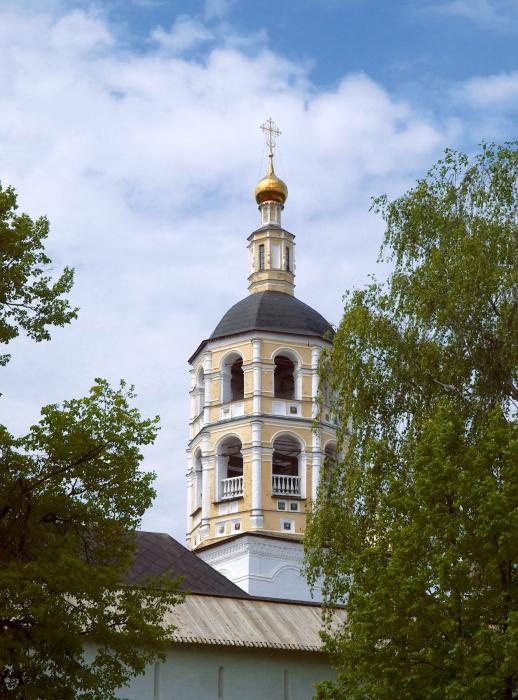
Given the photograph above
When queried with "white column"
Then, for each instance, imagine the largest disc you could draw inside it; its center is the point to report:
(316, 464)
(190, 499)
(207, 369)
(256, 517)
(205, 487)
(315, 357)
(256, 359)
(303, 474)
(298, 383)
(317, 454)
(193, 395)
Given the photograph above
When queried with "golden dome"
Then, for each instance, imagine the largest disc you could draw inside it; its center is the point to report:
(271, 188)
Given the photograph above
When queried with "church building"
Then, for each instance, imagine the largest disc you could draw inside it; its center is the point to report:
(258, 438)
(260, 443)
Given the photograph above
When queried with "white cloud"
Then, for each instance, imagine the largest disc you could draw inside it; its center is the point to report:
(185, 33)
(493, 90)
(499, 15)
(217, 9)
(81, 32)
(145, 164)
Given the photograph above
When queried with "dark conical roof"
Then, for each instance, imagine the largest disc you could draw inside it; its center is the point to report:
(272, 311)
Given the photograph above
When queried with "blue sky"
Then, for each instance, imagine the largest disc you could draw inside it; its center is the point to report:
(398, 43)
(413, 48)
(133, 125)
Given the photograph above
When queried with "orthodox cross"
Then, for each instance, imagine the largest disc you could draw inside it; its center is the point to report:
(271, 132)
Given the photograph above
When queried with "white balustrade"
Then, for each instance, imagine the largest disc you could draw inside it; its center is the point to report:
(283, 485)
(232, 488)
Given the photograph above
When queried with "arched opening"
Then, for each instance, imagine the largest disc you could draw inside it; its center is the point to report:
(230, 468)
(233, 379)
(286, 466)
(200, 391)
(237, 381)
(198, 480)
(284, 378)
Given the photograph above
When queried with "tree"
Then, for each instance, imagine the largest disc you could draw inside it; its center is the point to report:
(417, 529)
(71, 497)
(28, 299)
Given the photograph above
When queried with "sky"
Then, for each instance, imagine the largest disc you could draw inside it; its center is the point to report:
(133, 125)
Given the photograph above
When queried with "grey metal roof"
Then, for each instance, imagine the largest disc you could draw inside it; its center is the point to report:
(272, 311)
(158, 553)
(248, 623)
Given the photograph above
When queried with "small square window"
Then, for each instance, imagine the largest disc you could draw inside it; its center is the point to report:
(221, 528)
(281, 505)
(294, 506)
(293, 410)
(237, 525)
(287, 525)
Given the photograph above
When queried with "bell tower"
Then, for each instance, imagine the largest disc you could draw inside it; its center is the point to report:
(259, 442)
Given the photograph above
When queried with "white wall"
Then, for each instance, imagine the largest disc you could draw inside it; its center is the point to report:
(263, 566)
(197, 672)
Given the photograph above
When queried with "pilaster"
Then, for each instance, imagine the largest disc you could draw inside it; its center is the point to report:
(256, 364)
(190, 499)
(256, 518)
(315, 358)
(207, 368)
(207, 468)
(316, 463)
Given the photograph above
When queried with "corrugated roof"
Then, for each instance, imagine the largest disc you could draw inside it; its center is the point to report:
(248, 623)
(158, 553)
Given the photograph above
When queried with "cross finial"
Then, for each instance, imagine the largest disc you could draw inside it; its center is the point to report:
(271, 133)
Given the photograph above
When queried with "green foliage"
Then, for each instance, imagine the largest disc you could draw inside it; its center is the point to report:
(417, 528)
(70, 494)
(71, 497)
(29, 300)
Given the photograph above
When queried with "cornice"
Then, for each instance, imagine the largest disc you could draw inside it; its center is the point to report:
(254, 546)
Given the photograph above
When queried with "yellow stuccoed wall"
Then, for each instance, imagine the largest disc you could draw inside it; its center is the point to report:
(244, 348)
(241, 427)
